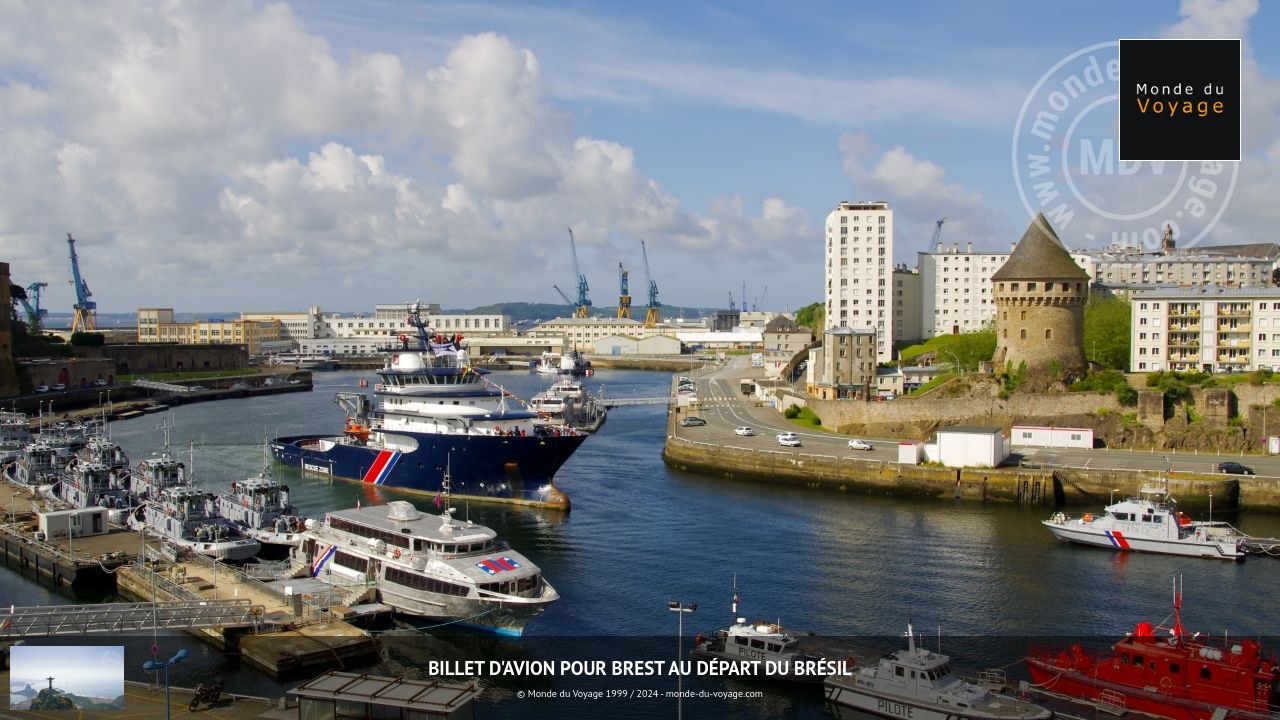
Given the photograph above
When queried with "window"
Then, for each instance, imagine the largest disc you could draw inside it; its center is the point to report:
(1024, 334)
(1048, 334)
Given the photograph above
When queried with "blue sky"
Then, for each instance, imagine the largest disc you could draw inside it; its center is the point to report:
(251, 156)
(90, 670)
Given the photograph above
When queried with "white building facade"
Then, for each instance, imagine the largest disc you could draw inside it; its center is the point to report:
(1210, 329)
(859, 269)
(955, 288)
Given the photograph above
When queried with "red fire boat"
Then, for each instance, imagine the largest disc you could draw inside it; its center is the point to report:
(1166, 672)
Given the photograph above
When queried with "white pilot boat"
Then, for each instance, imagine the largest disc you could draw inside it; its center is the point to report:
(1150, 522)
(922, 685)
(430, 566)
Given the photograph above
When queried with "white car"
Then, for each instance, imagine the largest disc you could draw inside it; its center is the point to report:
(860, 445)
(789, 441)
(744, 431)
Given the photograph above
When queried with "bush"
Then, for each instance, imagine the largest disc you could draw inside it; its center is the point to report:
(1104, 381)
(1126, 395)
(791, 413)
(88, 339)
(1260, 376)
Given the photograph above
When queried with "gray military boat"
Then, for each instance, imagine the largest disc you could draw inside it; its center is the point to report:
(921, 685)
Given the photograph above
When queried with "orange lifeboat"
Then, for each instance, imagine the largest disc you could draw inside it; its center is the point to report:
(356, 430)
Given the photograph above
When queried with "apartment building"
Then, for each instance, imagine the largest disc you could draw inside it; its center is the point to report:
(858, 272)
(1210, 329)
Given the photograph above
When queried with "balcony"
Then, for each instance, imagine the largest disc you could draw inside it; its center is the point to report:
(1239, 327)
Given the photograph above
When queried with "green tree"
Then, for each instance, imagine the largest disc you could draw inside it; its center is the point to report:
(812, 316)
(88, 339)
(966, 349)
(1106, 331)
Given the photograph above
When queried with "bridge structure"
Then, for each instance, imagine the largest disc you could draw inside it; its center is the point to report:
(46, 620)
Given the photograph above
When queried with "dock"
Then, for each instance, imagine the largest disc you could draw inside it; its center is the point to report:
(295, 632)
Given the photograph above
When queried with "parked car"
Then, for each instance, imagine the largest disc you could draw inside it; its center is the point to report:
(789, 441)
(856, 444)
(59, 387)
(99, 383)
(42, 388)
(1235, 468)
(693, 422)
(744, 431)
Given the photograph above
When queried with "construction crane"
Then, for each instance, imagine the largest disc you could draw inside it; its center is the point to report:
(732, 307)
(624, 295)
(35, 313)
(584, 300)
(567, 301)
(937, 234)
(755, 304)
(86, 317)
(652, 313)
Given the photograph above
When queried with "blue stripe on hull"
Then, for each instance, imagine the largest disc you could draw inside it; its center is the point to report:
(519, 468)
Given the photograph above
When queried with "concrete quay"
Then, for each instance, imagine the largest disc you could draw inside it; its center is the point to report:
(297, 634)
(1041, 477)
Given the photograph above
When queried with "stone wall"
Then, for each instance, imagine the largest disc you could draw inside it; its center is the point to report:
(138, 359)
(72, 372)
(918, 417)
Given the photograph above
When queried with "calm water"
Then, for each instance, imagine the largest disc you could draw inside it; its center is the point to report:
(640, 535)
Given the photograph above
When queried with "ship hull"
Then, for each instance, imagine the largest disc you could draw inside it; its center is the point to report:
(483, 467)
(1113, 540)
(844, 693)
(1085, 688)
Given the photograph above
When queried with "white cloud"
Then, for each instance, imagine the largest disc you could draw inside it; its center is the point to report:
(220, 156)
(919, 194)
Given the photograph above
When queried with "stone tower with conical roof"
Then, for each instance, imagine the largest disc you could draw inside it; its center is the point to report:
(1039, 295)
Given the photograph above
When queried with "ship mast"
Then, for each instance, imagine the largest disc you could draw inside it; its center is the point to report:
(1178, 630)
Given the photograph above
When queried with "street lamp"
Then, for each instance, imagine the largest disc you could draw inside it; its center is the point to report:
(165, 665)
(955, 357)
(680, 609)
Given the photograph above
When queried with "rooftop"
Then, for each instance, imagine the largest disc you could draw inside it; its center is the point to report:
(1040, 254)
(1209, 291)
(426, 696)
(970, 430)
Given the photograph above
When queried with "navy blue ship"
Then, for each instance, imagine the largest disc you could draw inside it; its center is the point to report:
(428, 407)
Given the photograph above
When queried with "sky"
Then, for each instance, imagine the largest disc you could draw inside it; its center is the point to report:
(89, 670)
(242, 155)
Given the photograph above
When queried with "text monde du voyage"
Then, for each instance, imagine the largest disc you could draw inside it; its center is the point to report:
(1177, 100)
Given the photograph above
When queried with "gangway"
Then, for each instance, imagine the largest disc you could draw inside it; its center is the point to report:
(127, 617)
(619, 402)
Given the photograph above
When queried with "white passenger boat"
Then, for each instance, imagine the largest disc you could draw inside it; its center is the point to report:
(922, 685)
(1150, 522)
(430, 566)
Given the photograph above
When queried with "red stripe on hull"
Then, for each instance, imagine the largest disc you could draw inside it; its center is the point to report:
(372, 474)
(1124, 544)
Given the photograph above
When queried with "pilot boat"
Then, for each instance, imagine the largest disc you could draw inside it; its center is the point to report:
(922, 685)
(259, 507)
(765, 644)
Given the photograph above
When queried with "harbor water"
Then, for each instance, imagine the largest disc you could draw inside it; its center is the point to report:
(641, 535)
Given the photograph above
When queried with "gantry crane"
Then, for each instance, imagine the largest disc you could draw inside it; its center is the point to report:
(31, 304)
(567, 301)
(584, 300)
(624, 294)
(86, 317)
(652, 313)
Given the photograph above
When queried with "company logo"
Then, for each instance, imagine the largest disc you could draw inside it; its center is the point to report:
(1066, 164)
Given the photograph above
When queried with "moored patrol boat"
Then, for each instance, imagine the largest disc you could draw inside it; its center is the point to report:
(759, 643)
(260, 508)
(1150, 522)
(180, 516)
(430, 566)
(922, 685)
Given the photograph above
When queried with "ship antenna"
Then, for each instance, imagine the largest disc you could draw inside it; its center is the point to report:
(911, 637)
(735, 594)
(446, 484)
(1178, 630)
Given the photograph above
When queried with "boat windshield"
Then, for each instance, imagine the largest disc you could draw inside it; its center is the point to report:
(939, 672)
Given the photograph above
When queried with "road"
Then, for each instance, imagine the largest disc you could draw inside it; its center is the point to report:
(724, 407)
